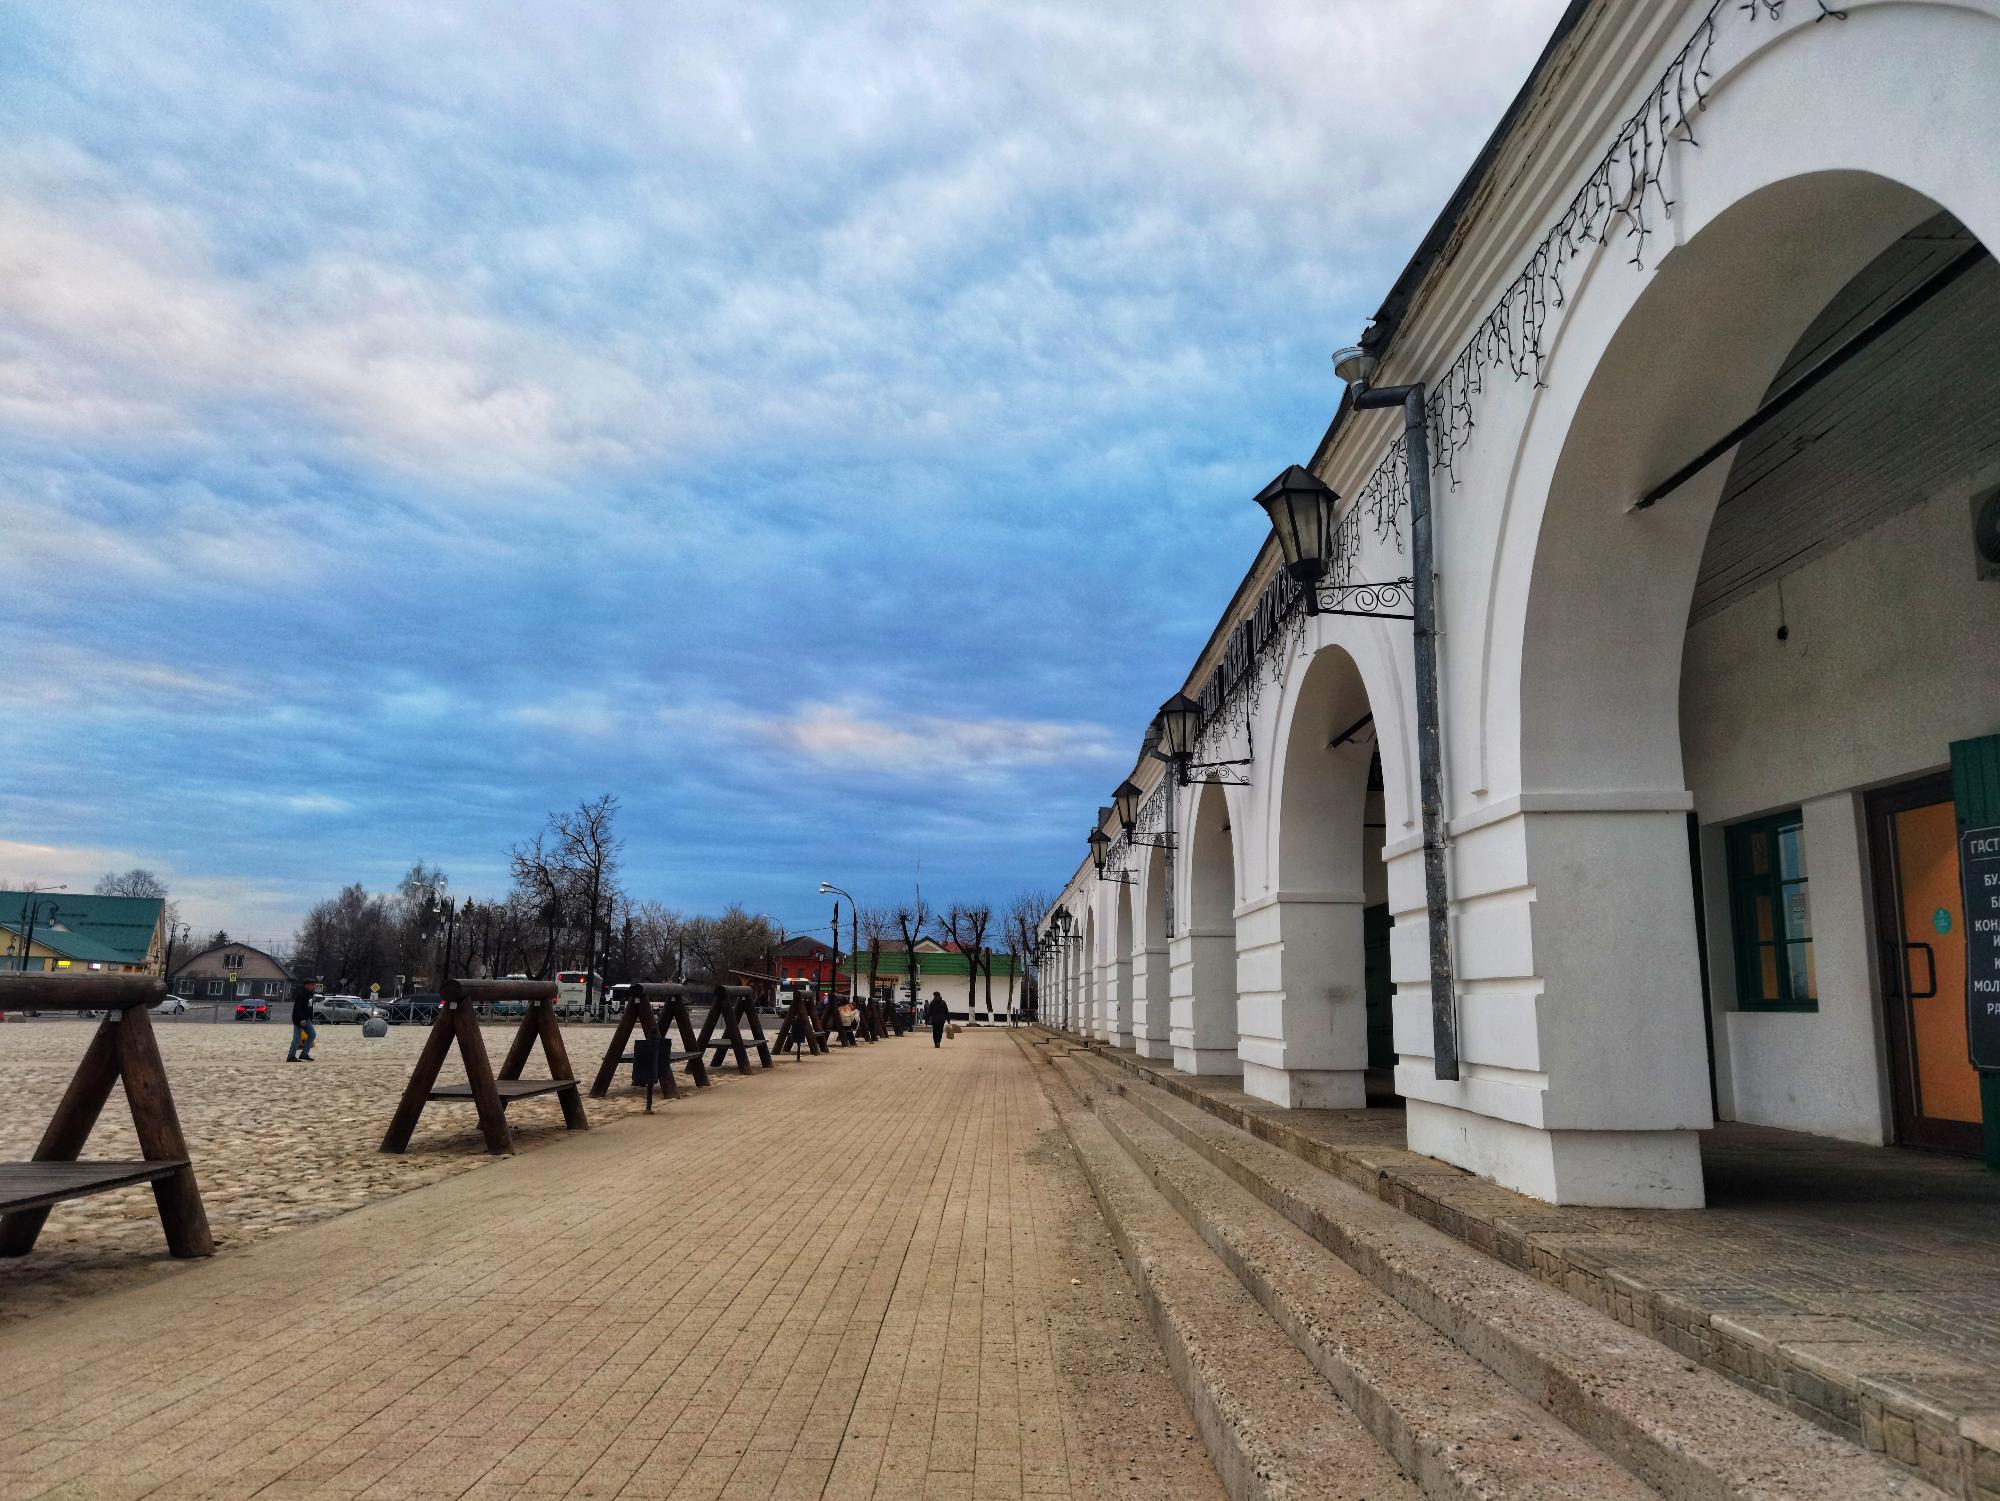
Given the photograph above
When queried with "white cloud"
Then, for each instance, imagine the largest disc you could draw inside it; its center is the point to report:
(877, 737)
(64, 676)
(116, 323)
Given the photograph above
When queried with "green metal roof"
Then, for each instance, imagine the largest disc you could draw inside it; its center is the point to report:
(930, 966)
(87, 929)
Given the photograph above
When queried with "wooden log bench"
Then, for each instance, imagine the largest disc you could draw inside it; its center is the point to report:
(800, 1031)
(637, 1011)
(833, 1025)
(733, 1006)
(123, 1050)
(459, 1005)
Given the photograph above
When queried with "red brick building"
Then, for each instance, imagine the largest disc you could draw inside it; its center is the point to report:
(807, 958)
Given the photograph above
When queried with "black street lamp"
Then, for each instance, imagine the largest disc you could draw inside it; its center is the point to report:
(1126, 801)
(30, 912)
(1301, 512)
(827, 888)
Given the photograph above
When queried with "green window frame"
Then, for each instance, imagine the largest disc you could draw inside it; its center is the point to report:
(1770, 914)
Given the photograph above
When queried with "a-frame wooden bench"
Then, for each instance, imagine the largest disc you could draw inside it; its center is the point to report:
(459, 1003)
(639, 1000)
(800, 1031)
(830, 1021)
(732, 1007)
(122, 1050)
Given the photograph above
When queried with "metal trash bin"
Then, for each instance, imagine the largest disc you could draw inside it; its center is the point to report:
(649, 1065)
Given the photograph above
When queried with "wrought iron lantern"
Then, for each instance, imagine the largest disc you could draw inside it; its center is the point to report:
(1126, 801)
(1301, 510)
(1180, 722)
(1099, 841)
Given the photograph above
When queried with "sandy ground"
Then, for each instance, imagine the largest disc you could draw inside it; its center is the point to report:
(275, 1145)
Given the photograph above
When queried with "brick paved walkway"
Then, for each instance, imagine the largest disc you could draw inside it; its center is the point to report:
(876, 1273)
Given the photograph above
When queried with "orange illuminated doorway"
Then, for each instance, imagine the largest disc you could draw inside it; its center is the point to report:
(1920, 917)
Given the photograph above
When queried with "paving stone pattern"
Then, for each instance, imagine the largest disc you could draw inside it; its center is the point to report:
(1856, 1286)
(877, 1273)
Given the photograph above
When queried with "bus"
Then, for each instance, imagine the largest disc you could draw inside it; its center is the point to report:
(570, 992)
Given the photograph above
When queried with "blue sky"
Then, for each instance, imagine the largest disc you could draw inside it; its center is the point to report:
(414, 418)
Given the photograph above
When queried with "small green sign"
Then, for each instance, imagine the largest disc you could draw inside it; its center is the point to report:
(1941, 920)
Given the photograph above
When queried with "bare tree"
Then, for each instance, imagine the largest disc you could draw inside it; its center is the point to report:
(963, 925)
(876, 925)
(138, 881)
(589, 851)
(543, 881)
(1017, 931)
(912, 917)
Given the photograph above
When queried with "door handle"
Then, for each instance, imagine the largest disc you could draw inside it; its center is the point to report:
(1930, 965)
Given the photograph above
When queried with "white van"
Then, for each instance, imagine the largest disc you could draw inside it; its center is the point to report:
(570, 992)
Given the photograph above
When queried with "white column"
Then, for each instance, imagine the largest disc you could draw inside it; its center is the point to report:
(1121, 1000)
(1583, 1076)
(1152, 1012)
(1204, 1001)
(1302, 1009)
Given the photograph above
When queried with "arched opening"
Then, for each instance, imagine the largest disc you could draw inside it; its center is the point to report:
(1738, 707)
(1204, 1016)
(1121, 971)
(1317, 1038)
(1152, 978)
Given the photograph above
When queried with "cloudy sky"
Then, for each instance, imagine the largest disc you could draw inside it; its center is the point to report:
(417, 417)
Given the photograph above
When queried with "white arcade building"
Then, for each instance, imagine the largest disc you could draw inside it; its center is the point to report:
(1703, 732)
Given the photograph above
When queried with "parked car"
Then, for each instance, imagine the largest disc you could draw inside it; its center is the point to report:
(173, 1005)
(253, 1011)
(422, 1008)
(344, 1008)
(906, 1013)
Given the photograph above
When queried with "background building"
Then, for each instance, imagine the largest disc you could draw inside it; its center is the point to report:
(230, 972)
(120, 934)
(1704, 352)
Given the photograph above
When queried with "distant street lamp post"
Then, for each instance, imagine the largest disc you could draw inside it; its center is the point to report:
(30, 909)
(827, 888)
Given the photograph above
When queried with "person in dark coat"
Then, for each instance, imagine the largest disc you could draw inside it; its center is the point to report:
(937, 1014)
(304, 1033)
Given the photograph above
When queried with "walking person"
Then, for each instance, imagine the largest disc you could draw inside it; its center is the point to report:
(304, 1033)
(937, 1014)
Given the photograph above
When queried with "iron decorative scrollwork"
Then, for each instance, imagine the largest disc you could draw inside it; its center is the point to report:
(1385, 601)
(1150, 826)
(1627, 188)
(1117, 866)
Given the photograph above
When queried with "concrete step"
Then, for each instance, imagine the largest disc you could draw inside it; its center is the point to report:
(1683, 1430)
(1452, 1424)
(1274, 1429)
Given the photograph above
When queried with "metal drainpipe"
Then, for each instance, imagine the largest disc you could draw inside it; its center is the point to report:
(1430, 771)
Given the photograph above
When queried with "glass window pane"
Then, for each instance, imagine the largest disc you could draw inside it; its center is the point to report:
(1798, 915)
(1803, 976)
(1765, 928)
(1792, 852)
(1767, 972)
(1760, 853)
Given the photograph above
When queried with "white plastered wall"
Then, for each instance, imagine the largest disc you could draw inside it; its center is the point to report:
(1889, 656)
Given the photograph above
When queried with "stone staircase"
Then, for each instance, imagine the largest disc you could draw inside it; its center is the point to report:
(1331, 1346)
